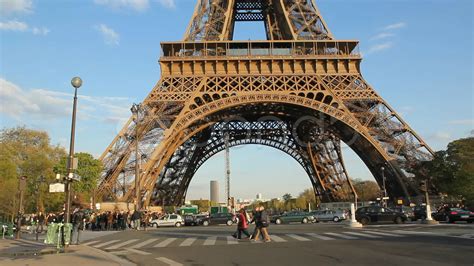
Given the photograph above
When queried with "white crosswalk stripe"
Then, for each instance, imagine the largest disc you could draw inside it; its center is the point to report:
(210, 241)
(188, 242)
(276, 239)
(231, 240)
(168, 261)
(165, 243)
(137, 251)
(90, 243)
(341, 236)
(297, 237)
(362, 235)
(144, 243)
(106, 243)
(320, 236)
(119, 245)
(382, 233)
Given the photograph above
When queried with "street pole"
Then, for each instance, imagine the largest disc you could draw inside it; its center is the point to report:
(384, 189)
(76, 82)
(21, 188)
(429, 219)
(135, 110)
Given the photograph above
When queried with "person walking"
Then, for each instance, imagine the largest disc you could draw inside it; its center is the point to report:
(40, 222)
(77, 225)
(265, 222)
(136, 219)
(242, 225)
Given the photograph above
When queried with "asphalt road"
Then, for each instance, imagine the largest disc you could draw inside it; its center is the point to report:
(297, 244)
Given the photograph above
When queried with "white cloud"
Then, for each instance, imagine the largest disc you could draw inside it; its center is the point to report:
(467, 122)
(394, 26)
(43, 105)
(441, 136)
(168, 3)
(15, 25)
(379, 47)
(382, 35)
(138, 5)
(15, 6)
(110, 36)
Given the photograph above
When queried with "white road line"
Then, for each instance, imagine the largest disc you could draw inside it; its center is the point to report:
(144, 243)
(341, 236)
(165, 243)
(276, 239)
(169, 262)
(90, 243)
(210, 241)
(381, 233)
(188, 242)
(119, 245)
(320, 236)
(137, 251)
(106, 243)
(414, 233)
(231, 240)
(362, 235)
(297, 237)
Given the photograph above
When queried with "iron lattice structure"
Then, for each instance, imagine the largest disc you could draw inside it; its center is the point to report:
(299, 91)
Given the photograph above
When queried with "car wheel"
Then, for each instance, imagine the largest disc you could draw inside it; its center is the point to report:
(278, 221)
(305, 220)
(364, 221)
(154, 225)
(336, 219)
(398, 220)
(205, 223)
(229, 222)
(178, 224)
(470, 221)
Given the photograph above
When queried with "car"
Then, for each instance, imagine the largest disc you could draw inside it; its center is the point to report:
(451, 215)
(377, 214)
(329, 215)
(197, 219)
(407, 211)
(222, 218)
(168, 220)
(295, 216)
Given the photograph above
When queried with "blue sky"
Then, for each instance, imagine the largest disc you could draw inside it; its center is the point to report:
(417, 54)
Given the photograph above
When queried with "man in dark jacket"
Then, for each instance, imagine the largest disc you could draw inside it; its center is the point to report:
(77, 224)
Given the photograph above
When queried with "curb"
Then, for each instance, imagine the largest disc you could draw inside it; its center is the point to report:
(112, 257)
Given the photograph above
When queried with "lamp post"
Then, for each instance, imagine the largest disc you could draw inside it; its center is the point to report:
(135, 110)
(76, 82)
(38, 183)
(384, 188)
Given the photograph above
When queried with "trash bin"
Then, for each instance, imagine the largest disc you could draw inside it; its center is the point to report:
(54, 236)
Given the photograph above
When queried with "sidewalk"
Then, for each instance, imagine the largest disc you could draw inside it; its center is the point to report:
(25, 252)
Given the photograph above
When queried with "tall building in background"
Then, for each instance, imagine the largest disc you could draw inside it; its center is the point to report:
(214, 191)
(259, 196)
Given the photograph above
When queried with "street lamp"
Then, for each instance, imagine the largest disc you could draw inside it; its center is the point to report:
(135, 111)
(76, 82)
(384, 188)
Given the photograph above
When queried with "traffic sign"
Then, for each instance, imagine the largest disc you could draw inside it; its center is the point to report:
(56, 187)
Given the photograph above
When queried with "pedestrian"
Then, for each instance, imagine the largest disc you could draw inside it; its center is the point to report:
(40, 222)
(77, 225)
(136, 219)
(243, 224)
(262, 221)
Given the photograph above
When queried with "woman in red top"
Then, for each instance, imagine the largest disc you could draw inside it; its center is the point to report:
(243, 224)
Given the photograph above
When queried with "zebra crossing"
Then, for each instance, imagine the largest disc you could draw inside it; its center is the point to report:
(134, 245)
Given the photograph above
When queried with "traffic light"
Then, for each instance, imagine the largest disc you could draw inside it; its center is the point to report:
(423, 187)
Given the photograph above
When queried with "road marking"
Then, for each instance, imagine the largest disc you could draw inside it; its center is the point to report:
(119, 245)
(106, 243)
(137, 251)
(165, 243)
(169, 262)
(90, 243)
(341, 236)
(320, 236)
(144, 243)
(188, 242)
(231, 240)
(275, 238)
(362, 235)
(297, 237)
(210, 241)
(382, 233)
(415, 233)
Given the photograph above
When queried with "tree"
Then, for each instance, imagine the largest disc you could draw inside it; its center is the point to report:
(309, 197)
(366, 189)
(27, 152)
(287, 197)
(89, 169)
(203, 205)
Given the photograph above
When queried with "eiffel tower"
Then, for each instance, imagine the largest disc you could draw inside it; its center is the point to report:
(300, 91)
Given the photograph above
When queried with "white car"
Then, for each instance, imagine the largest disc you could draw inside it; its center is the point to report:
(168, 220)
